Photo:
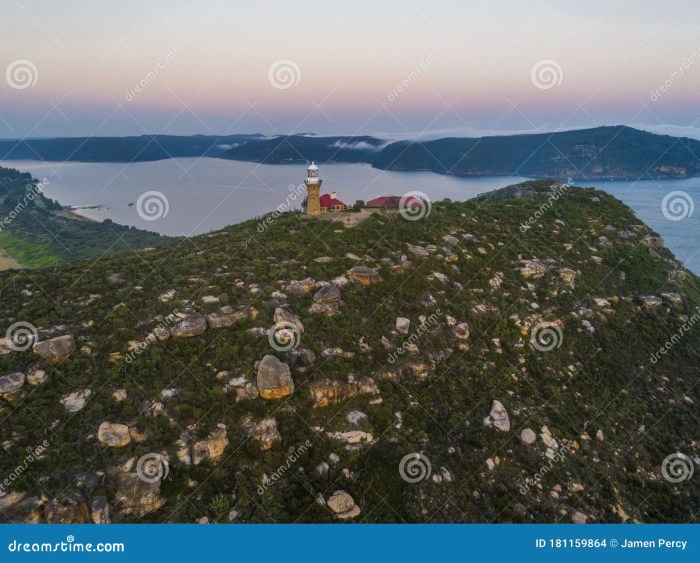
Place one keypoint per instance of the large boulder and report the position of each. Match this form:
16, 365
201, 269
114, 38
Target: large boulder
283, 318
363, 275
343, 505
227, 316
76, 401
264, 432
55, 348
326, 300
11, 384
274, 379
498, 417
326, 392
211, 448
71, 510
135, 495
190, 323
113, 435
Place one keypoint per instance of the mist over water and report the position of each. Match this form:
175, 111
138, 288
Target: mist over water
205, 194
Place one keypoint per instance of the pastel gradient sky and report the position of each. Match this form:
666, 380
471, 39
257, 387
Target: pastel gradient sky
466, 66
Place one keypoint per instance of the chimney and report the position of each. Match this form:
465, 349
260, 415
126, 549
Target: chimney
334, 195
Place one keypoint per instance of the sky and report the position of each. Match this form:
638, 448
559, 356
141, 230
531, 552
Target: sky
395, 69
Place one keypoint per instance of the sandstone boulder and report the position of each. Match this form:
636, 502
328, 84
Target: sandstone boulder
76, 401
190, 323
135, 495
55, 348
227, 316
211, 448
498, 417
274, 379
113, 435
363, 275
11, 384
343, 505
264, 432
284, 317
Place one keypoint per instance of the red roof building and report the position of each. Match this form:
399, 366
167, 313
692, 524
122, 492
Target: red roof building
393, 200
330, 202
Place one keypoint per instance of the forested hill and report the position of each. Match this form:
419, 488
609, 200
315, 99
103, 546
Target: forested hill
495, 360
119, 149
35, 231
615, 152
601, 153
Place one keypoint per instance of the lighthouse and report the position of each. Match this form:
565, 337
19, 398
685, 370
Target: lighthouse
313, 189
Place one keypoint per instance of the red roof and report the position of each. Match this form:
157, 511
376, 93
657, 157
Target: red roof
409, 201
328, 201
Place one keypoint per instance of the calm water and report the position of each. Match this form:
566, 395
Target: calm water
204, 194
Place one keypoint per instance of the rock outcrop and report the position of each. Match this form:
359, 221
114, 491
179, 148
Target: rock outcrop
212, 447
11, 384
55, 348
274, 378
113, 435
498, 417
343, 506
190, 323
